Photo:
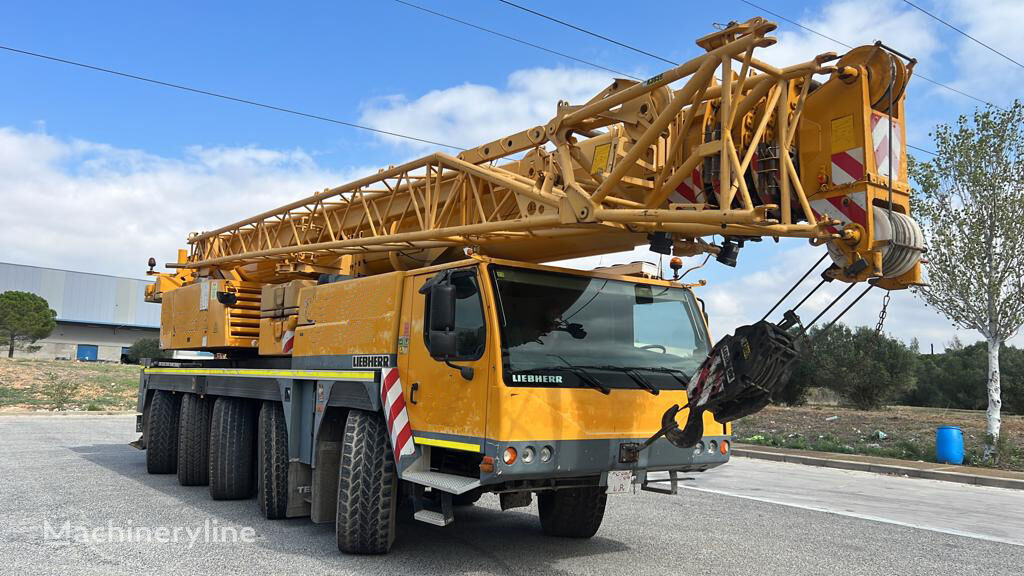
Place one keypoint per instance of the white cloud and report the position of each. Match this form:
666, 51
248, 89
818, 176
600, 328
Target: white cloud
473, 114
93, 207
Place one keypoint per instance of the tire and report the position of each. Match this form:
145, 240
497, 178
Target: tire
572, 512
273, 461
367, 487
232, 449
194, 440
162, 433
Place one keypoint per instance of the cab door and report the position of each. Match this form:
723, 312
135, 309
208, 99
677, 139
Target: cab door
446, 409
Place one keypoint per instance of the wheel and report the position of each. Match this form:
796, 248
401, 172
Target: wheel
367, 487
162, 433
273, 461
467, 499
572, 512
194, 440
232, 449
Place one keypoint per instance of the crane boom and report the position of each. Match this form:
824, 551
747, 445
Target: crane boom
638, 162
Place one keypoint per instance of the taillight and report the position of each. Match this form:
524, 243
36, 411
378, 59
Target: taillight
724, 447
509, 456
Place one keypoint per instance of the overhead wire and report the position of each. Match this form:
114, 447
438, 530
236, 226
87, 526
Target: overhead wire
515, 39
221, 96
936, 18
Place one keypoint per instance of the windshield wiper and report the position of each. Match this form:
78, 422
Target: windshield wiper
680, 376
635, 376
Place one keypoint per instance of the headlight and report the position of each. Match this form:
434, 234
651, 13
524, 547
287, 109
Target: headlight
528, 454
699, 448
546, 453
509, 456
712, 446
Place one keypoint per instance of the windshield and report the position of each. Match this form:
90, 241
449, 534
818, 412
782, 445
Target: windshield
553, 324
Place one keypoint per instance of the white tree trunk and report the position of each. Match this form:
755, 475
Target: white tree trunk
995, 401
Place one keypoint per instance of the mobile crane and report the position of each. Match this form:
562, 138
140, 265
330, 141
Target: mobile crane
397, 339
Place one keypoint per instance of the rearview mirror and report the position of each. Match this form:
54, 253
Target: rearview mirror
442, 307
443, 345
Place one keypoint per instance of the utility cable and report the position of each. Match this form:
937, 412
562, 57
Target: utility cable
588, 32
247, 101
936, 18
514, 39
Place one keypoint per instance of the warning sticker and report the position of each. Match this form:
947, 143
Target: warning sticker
601, 155
842, 134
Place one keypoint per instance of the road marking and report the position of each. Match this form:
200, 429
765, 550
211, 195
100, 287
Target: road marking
949, 531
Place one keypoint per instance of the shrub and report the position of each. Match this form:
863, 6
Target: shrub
59, 390
145, 348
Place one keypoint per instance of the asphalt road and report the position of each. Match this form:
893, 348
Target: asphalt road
750, 517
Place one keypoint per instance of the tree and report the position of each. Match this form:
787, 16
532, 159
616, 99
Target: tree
865, 368
24, 318
970, 203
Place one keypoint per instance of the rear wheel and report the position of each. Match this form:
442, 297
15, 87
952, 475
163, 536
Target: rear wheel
162, 433
367, 487
273, 461
194, 440
232, 449
572, 512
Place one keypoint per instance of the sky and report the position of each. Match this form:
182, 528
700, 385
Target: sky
98, 173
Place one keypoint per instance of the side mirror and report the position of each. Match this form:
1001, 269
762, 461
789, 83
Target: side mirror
643, 293
443, 344
442, 308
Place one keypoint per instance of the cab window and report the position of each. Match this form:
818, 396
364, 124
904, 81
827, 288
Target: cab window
470, 329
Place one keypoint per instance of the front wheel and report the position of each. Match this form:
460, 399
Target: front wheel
572, 512
367, 487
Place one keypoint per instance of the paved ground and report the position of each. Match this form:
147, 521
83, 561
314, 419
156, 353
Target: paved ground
750, 517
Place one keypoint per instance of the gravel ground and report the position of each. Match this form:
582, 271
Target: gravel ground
80, 470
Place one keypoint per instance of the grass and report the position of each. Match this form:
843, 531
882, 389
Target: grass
907, 433
47, 384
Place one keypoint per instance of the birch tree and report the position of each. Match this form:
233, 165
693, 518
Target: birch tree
970, 203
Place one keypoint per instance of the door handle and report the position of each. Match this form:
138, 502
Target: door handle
412, 392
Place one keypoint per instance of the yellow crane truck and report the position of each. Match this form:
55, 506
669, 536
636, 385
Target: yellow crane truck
397, 341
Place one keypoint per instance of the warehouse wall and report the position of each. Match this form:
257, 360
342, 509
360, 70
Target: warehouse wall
63, 342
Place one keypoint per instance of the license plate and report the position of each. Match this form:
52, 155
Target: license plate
619, 481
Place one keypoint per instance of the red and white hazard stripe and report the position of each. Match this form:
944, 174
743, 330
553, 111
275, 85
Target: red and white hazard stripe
690, 191
848, 166
397, 416
846, 209
880, 143
288, 341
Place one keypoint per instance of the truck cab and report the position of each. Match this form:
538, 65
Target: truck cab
540, 376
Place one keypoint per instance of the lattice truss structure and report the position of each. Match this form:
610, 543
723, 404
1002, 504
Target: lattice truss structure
597, 177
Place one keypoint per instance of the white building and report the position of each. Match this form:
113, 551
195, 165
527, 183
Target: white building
98, 316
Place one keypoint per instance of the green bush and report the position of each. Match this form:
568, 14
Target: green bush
145, 348
867, 369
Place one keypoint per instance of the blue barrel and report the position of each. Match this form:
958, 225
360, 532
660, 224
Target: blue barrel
949, 445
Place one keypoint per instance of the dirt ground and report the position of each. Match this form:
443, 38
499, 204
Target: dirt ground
43, 384
906, 432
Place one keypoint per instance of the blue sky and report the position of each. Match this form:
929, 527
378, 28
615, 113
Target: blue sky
127, 169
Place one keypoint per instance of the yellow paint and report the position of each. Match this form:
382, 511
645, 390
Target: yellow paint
842, 134
297, 374
358, 316
464, 446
